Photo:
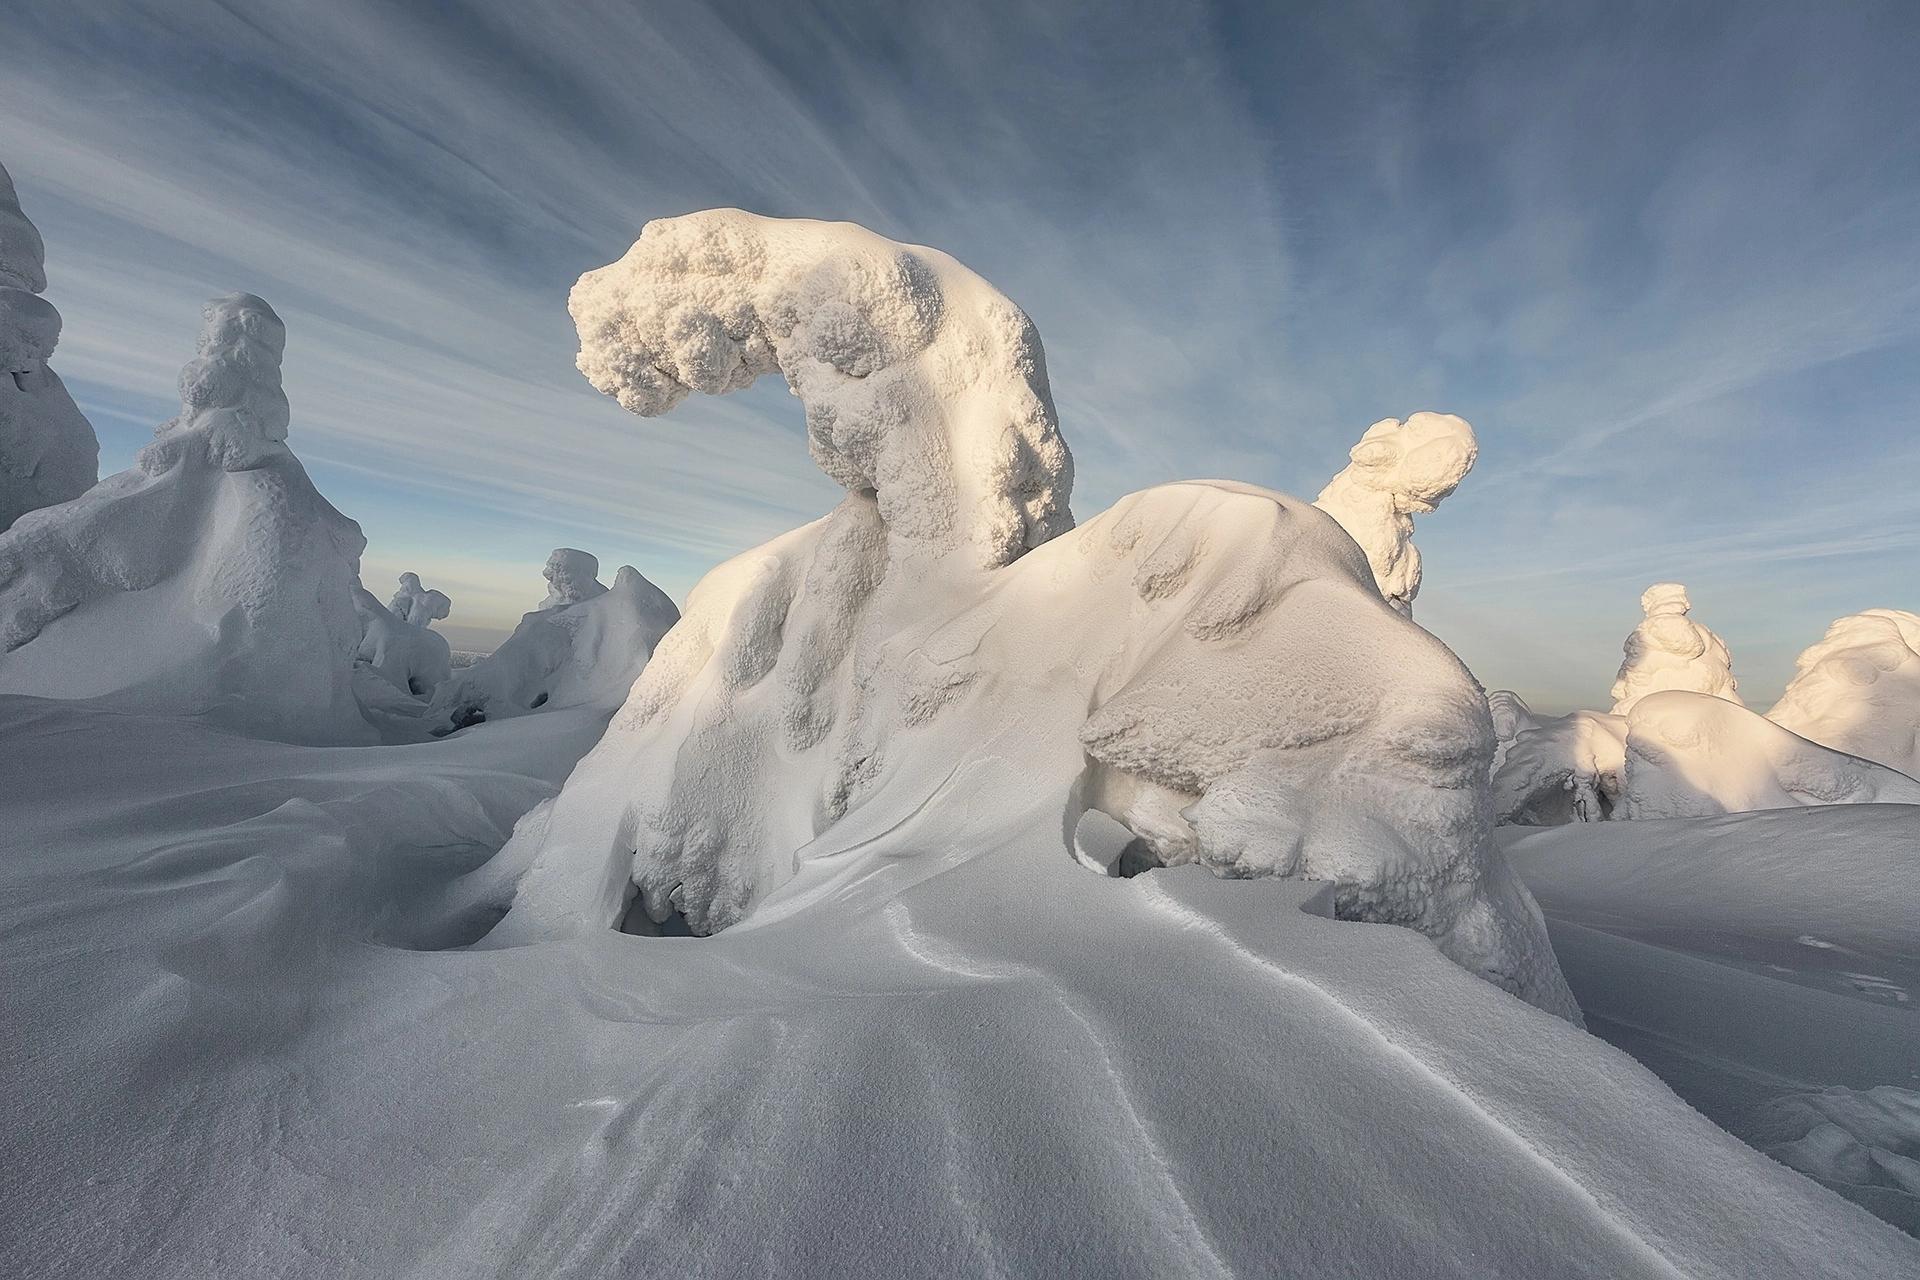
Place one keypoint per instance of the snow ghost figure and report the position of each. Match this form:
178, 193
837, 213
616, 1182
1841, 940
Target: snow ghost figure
572, 576
1398, 470
1205, 674
416, 605
1668, 650
1858, 689
48, 453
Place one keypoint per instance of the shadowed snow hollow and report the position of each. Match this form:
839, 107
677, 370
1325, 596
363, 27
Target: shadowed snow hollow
48, 452
1205, 673
1858, 690
1668, 650
212, 578
1398, 470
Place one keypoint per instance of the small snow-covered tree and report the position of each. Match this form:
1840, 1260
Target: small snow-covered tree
1397, 471
1669, 650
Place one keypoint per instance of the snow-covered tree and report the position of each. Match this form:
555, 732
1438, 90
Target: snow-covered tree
1858, 689
1397, 471
1669, 650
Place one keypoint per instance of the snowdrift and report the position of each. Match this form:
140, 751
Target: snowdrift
1398, 470
1858, 689
48, 452
583, 646
212, 578
1668, 650
1207, 673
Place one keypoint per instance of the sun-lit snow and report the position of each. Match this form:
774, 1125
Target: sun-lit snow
1858, 689
1397, 471
1669, 650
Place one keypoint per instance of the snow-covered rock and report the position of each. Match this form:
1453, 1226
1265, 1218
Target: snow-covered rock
211, 578
1669, 650
1398, 470
1858, 689
48, 452
1693, 755
584, 646
1569, 768
1206, 673
417, 605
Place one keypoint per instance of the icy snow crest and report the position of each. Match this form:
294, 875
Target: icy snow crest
1397, 471
583, 646
1668, 650
1205, 673
48, 453
210, 578
1858, 689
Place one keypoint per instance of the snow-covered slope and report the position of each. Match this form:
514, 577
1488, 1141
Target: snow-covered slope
1858, 689
584, 646
1397, 471
237, 1046
1206, 673
1668, 650
212, 578
48, 452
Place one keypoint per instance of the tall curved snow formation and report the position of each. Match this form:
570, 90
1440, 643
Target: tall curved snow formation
1398, 470
1668, 650
1511, 718
48, 452
211, 578
1858, 689
1205, 673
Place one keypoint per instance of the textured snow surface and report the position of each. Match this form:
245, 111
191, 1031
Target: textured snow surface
1767, 965
48, 452
583, 647
1511, 718
1569, 768
243, 1039
212, 578
1858, 689
1668, 650
1398, 470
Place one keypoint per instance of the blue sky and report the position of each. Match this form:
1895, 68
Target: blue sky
1666, 258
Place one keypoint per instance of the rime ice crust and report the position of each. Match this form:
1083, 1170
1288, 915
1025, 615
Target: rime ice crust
1668, 650
212, 578
1858, 689
583, 646
1398, 470
48, 453
1210, 666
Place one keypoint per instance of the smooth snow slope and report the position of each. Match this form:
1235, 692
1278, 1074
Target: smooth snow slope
233, 1051
1205, 673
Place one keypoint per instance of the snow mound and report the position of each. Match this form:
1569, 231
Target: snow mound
1668, 650
1398, 470
212, 578
397, 641
1863, 1143
1693, 755
584, 646
1569, 768
1858, 689
1204, 674
48, 452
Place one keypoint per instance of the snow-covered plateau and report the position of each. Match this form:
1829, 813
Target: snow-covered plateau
949, 888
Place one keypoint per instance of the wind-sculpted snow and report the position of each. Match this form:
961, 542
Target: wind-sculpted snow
397, 641
1690, 755
1570, 768
1398, 470
48, 452
418, 605
1858, 689
1668, 650
1207, 668
211, 578
1511, 718
583, 646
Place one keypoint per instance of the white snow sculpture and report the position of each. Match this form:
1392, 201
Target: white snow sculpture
1570, 768
210, 578
417, 606
1858, 689
938, 662
1668, 650
1398, 470
584, 646
397, 641
48, 452
1691, 755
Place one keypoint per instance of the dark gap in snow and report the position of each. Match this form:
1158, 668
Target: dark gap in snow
539, 702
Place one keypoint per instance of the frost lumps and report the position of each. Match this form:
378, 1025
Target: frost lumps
923, 385
583, 646
48, 453
211, 578
1398, 470
1206, 672
1858, 689
1668, 650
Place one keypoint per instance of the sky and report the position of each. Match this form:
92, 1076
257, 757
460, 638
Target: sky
1665, 258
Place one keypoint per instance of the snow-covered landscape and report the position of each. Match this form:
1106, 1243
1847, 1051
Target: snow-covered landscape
977, 879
